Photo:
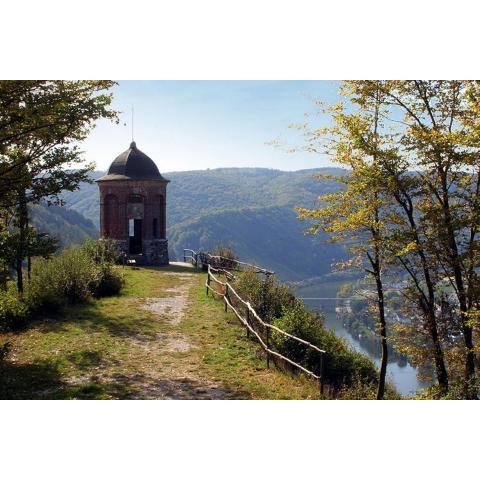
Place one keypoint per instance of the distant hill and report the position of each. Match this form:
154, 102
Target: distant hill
69, 226
271, 237
250, 208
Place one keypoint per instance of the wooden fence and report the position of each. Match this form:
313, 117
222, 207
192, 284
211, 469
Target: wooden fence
255, 325
216, 261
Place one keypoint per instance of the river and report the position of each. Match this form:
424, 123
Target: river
401, 374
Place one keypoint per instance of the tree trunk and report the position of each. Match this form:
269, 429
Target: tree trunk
22, 219
19, 274
440, 368
29, 258
383, 336
3, 277
467, 330
427, 302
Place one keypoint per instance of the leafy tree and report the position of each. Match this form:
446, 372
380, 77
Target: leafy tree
440, 147
358, 214
41, 123
428, 173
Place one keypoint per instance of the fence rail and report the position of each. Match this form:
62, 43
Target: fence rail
190, 255
256, 326
218, 261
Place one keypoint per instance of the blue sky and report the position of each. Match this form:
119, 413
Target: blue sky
191, 125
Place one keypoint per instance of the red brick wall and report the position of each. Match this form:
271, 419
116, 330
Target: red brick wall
115, 209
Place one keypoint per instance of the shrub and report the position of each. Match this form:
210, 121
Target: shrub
74, 276
102, 251
266, 294
13, 311
66, 278
109, 281
343, 365
275, 303
228, 258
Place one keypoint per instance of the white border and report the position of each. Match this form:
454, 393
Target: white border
251, 39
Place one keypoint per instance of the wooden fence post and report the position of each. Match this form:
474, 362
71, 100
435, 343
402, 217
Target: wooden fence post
225, 298
322, 370
268, 347
208, 281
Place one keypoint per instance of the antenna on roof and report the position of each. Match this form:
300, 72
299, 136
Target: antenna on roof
132, 123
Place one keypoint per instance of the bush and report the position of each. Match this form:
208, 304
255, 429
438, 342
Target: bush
102, 251
266, 294
109, 281
13, 311
70, 277
73, 276
228, 258
275, 303
343, 365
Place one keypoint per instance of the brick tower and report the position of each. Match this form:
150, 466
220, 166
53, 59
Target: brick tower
133, 207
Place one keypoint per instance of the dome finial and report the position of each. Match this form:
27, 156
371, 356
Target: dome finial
133, 145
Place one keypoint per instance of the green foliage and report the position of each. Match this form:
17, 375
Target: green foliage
343, 365
68, 226
358, 305
266, 294
109, 281
74, 276
13, 310
275, 303
227, 257
101, 251
251, 209
69, 277
104, 254
35, 145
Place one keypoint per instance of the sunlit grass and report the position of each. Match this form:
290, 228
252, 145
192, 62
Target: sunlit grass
113, 348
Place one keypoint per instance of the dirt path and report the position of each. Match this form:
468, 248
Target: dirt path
162, 338
175, 374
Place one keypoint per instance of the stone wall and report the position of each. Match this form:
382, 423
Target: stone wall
156, 251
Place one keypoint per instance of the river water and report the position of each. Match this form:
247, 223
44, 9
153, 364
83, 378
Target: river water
401, 373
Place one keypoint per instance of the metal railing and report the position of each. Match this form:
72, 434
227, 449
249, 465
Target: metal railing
190, 255
257, 327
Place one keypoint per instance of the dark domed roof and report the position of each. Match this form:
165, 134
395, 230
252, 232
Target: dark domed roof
132, 164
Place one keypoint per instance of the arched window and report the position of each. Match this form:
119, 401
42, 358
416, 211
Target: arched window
158, 213
110, 221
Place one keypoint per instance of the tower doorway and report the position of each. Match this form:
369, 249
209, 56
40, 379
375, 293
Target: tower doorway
135, 236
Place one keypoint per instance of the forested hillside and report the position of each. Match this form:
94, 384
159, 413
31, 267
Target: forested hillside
69, 226
270, 236
252, 209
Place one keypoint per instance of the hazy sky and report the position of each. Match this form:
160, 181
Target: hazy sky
189, 125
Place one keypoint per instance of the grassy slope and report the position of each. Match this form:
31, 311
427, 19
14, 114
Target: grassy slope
113, 348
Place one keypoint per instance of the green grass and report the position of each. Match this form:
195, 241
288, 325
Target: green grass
114, 348
229, 357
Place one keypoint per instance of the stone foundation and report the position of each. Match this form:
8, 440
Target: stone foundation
154, 252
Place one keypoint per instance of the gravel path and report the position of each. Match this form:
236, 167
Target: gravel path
180, 378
